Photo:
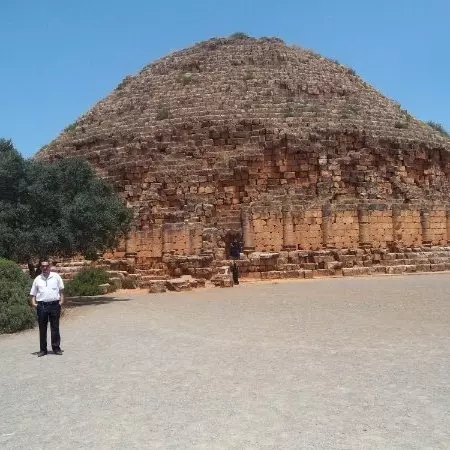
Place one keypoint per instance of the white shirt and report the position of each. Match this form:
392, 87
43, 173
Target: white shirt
47, 289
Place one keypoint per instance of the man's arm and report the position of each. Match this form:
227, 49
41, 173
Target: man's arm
33, 301
61, 290
33, 293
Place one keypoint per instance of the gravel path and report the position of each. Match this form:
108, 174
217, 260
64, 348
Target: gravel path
359, 363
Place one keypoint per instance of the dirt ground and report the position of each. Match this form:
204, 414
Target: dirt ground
360, 363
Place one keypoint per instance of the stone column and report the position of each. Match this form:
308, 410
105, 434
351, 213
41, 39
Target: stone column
130, 242
166, 239
448, 224
326, 225
247, 229
396, 224
131, 247
425, 223
189, 240
288, 229
194, 238
364, 227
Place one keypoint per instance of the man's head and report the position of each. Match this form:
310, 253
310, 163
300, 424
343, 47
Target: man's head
45, 267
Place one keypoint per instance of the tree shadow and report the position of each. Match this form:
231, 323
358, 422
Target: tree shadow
74, 302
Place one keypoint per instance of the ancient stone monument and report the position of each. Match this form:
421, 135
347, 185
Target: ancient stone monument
313, 169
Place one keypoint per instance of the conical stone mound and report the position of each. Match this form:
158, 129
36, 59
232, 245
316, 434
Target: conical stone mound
252, 137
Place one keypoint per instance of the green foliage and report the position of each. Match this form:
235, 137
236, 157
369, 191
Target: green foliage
71, 127
162, 113
239, 35
401, 124
55, 209
186, 78
288, 112
86, 283
438, 127
10, 272
15, 312
350, 110
124, 82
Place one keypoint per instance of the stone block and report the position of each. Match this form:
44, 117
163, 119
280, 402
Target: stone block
203, 272
178, 284
378, 269
333, 265
157, 286
115, 282
396, 269
437, 267
356, 271
105, 288
423, 267
198, 283
438, 260
224, 283
324, 273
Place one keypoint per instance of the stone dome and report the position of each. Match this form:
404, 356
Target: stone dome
236, 122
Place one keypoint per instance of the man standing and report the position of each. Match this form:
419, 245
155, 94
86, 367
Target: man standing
47, 296
235, 253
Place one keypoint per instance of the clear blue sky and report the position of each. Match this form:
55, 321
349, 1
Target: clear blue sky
58, 57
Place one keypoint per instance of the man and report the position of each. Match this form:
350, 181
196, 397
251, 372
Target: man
235, 253
47, 296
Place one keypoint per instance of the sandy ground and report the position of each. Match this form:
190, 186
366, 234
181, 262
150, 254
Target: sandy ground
359, 363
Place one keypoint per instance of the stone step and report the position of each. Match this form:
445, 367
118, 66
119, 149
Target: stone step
285, 274
143, 278
73, 263
151, 271
291, 266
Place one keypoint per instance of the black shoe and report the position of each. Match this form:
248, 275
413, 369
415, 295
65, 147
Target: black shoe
57, 351
41, 353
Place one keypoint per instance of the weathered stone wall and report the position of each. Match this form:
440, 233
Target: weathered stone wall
308, 229
274, 144
278, 227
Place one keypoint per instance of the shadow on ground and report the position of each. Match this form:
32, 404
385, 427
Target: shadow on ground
73, 302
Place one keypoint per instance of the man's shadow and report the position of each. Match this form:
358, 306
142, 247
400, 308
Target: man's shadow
50, 352
74, 302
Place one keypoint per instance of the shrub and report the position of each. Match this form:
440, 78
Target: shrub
186, 78
288, 112
401, 124
11, 272
15, 311
87, 283
71, 127
438, 127
162, 113
239, 35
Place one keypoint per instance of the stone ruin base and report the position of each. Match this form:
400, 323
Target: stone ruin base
181, 273
344, 262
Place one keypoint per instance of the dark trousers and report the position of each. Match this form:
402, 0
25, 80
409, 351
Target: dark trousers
49, 312
235, 273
